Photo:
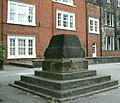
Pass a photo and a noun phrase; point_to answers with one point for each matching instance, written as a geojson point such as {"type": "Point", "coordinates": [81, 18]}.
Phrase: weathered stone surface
{"type": "Point", "coordinates": [65, 40]}
{"type": "Point", "coordinates": [64, 65]}
{"type": "Point", "coordinates": [66, 84]}
{"type": "Point", "coordinates": [65, 76]}
{"type": "Point", "coordinates": [64, 46]}
{"type": "Point", "coordinates": [67, 94]}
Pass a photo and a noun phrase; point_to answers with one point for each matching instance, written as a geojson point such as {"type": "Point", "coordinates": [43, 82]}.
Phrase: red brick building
{"type": "Point", "coordinates": [93, 30]}
{"type": "Point", "coordinates": [26, 26]}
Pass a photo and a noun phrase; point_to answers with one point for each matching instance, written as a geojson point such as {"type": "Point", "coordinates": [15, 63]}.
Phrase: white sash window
{"type": "Point", "coordinates": [65, 20]}
{"type": "Point", "coordinates": [21, 46]}
{"type": "Point", "coordinates": [21, 13]}
{"type": "Point", "coordinates": [94, 25]}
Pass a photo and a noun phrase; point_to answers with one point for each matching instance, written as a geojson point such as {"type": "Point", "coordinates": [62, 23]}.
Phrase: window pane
{"type": "Point", "coordinates": [12, 16]}
{"type": "Point", "coordinates": [71, 21]}
{"type": "Point", "coordinates": [59, 19]}
{"type": "Point", "coordinates": [21, 46]}
{"type": "Point", "coordinates": [12, 11]}
{"type": "Point", "coordinates": [91, 25]}
{"type": "Point", "coordinates": [66, 1]}
{"type": "Point", "coordinates": [30, 47]}
{"type": "Point", "coordinates": [21, 13]}
{"type": "Point", "coordinates": [109, 19]}
{"type": "Point", "coordinates": [12, 46]}
{"type": "Point", "coordinates": [30, 16]}
{"type": "Point", "coordinates": [65, 20]}
{"type": "Point", "coordinates": [21, 17]}
{"type": "Point", "coordinates": [96, 26]}
{"type": "Point", "coordinates": [12, 7]}
{"type": "Point", "coordinates": [109, 43]}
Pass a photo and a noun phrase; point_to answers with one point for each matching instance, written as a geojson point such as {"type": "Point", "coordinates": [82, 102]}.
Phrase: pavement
{"type": "Point", "coordinates": [10, 94]}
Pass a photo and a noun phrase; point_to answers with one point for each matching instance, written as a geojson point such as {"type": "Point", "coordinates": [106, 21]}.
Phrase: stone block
{"type": "Point", "coordinates": [64, 65]}
{"type": "Point", "coordinates": [65, 76]}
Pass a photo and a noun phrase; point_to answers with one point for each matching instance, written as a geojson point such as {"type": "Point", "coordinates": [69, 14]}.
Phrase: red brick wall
{"type": "Point", "coordinates": [93, 11]}
{"type": "Point", "coordinates": [45, 26]}
{"type": "Point", "coordinates": [1, 19]}
{"type": "Point", "coordinates": [46, 23]}
{"type": "Point", "coordinates": [111, 53]}
{"type": "Point", "coordinates": [42, 30]}
{"type": "Point", "coordinates": [15, 29]}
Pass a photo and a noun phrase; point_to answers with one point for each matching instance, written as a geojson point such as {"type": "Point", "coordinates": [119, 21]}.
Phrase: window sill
{"type": "Point", "coordinates": [67, 29]}
{"type": "Point", "coordinates": [15, 23]}
{"type": "Point", "coordinates": [109, 3]}
{"type": "Point", "coordinates": [109, 26]}
{"type": "Point", "coordinates": [96, 33]}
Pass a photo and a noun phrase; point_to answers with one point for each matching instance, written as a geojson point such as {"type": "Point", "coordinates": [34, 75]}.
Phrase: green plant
{"type": "Point", "coordinates": [2, 55]}
{"type": "Point", "coordinates": [1, 42]}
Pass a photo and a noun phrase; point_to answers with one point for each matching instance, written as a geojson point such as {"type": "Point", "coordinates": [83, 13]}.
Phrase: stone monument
{"type": "Point", "coordinates": [65, 73]}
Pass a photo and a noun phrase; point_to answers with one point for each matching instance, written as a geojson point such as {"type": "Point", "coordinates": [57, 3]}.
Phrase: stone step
{"type": "Point", "coordinates": [65, 76]}
{"type": "Point", "coordinates": [32, 63]}
{"type": "Point", "coordinates": [27, 64]}
{"type": "Point", "coordinates": [66, 94]}
{"type": "Point", "coordinates": [66, 84]}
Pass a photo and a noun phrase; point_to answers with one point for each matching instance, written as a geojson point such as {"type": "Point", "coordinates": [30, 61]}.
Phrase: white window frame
{"type": "Point", "coordinates": [109, 1]}
{"type": "Point", "coordinates": [24, 12]}
{"type": "Point", "coordinates": [118, 3]}
{"type": "Point", "coordinates": [113, 43]}
{"type": "Point", "coordinates": [68, 2]}
{"type": "Point", "coordinates": [70, 20]}
{"type": "Point", "coordinates": [94, 26]}
{"type": "Point", "coordinates": [110, 45]}
{"type": "Point", "coordinates": [26, 38]}
{"type": "Point", "coordinates": [109, 19]}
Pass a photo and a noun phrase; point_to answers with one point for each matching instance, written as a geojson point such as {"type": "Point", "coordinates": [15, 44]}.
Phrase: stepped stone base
{"type": "Point", "coordinates": [65, 72]}
{"type": "Point", "coordinates": [65, 86]}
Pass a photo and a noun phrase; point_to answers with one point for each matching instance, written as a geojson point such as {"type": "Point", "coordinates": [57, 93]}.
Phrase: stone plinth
{"type": "Point", "coordinates": [64, 54]}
